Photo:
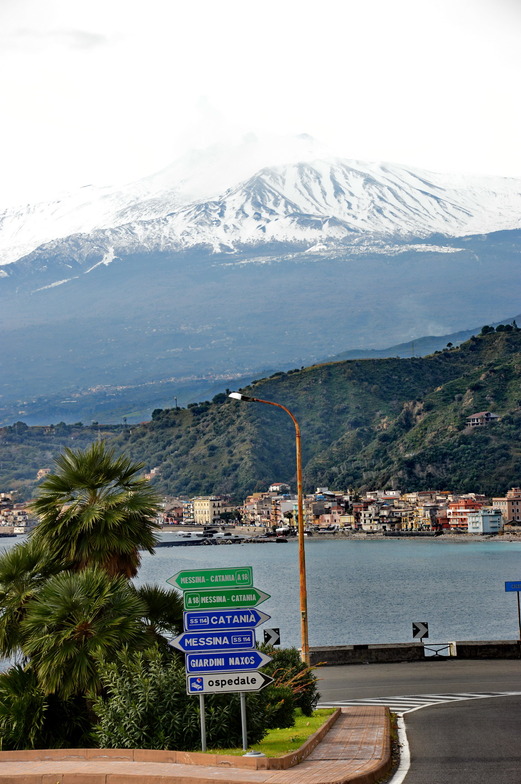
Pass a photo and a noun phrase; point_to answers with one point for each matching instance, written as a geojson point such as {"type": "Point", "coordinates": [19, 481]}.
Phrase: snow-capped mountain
{"type": "Point", "coordinates": [230, 260]}
{"type": "Point", "coordinates": [204, 199]}
{"type": "Point", "coordinates": [197, 176]}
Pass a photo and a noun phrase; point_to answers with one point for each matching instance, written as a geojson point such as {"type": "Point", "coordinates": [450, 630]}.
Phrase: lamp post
{"type": "Point", "coordinates": [300, 512]}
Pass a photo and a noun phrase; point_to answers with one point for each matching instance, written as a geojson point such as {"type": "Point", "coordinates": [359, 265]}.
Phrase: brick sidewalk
{"type": "Point", "coordinates": [356, 749]}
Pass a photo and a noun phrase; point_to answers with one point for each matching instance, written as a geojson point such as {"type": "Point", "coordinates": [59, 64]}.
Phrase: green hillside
{"type": "Point", "coordinates": [365, 424]}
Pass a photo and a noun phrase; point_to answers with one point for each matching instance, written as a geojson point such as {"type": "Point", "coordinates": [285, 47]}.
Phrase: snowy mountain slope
{"type": "Point", "coordinates": [197, 176]}
{"type": "Point", "coordinates": [342, 200]}
{"type": "Point", "coordinates": [326, 201]}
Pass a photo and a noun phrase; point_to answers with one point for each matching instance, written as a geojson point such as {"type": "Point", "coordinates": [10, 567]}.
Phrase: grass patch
{"type": "Point", "coordinates": [283, 741]}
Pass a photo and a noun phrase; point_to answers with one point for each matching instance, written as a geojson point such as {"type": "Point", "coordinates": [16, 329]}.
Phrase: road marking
{"type": "Point", "coordinates": [412, 702]}
{"type": "Point", "coordinates": [408, 704]}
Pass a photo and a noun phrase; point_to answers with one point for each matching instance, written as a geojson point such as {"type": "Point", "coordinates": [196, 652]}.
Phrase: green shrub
{"type": "Point", "coordinates": [145, 705]}
{"type": "Point", "coordinates": [29, 719]}
{"type": "Point", "coordinates": [289, 670]}
{"type": "Point", "coordinates": [277, 703]}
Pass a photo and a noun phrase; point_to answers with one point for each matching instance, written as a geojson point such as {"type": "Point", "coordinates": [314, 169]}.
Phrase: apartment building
{"type": "Point", "coordinates": [510, 505]}
{"type": "Point", "coordinates": [486, 520]}
{"type": "Point", "coordinates": [458, 512]}
{"type": "Point", "coordinates": [207, 509]}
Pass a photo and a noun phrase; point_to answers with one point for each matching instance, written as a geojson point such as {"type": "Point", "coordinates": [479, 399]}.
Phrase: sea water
{"type": "Point", "coordinates": [366, 591]}
{"type": "Point", "coordinates": [370, 591]}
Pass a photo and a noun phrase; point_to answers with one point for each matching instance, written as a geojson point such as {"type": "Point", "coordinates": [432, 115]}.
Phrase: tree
{"type": "Point", "coordinates": [23, 571]}
{"type": "Point", "coordinates": [95, 511]}
{"type": "Point", "coordinates": [163, 611]}
{"type": "Point", "coordinates": [66, 600]}
{"type": "Point", "coordinates": [73, 621]}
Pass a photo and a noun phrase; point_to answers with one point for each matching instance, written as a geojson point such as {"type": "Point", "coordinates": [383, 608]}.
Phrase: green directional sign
{"type": "Point", "coordinates": [223, 598]}
{"type": "Point", "coordinates": [234, 576]}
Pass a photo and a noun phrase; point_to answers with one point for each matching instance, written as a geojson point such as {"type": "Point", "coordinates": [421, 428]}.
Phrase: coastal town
{"type": "Point", "coordinates": [388, 512]}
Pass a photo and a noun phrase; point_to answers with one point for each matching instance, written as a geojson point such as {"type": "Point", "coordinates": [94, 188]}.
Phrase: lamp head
{"type": "Point", "coordinates": [238, 396]}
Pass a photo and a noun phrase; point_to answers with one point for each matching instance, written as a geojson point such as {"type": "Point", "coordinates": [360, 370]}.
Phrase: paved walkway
{"type": "Point", "coordinates": [356, 749]}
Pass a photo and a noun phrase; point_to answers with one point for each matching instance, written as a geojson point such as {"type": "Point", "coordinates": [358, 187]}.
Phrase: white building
{"type": "Point", "coordinates": [487, 520]}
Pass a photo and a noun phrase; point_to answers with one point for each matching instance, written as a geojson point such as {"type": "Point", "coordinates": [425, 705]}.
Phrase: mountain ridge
{"type": "Point", "coordinates": [365, 424]}
{"type": "Point", "coordinates": [333, 201]}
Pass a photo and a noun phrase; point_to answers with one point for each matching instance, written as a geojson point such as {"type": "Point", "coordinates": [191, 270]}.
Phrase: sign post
{"type": "Point", "coordinates": [516, 586]}
{"type": "Point", "coordinates": [244, 726]}
{"type": "Point", "coordinates": [202, 718]}
{"type": "Point", "coordinates": [219, 635]}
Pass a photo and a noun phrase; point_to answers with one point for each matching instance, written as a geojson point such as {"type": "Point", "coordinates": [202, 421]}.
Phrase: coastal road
{"type": "Point", "coordinates": [460, 742]}
{"type": "Point", "coordinates": [432, 676]}
{"type": "Point", "coordinates": [467, 729]}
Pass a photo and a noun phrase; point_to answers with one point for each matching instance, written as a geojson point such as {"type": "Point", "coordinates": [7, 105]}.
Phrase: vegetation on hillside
{"type": "Point", "coordinates": [365, 423]}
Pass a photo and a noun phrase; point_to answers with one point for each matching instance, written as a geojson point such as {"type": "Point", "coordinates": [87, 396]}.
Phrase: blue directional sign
{"type": "Point", "coordinates": [224, 661]}
{"type": "Point", "coordinates": [212, 641]}
{"type": "Point", "coordinates": [219, 620]}
{"type": "Point", "coordinates": [513, 586]}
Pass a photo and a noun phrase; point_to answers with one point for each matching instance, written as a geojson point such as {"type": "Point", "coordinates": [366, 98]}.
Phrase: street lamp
{"type": "Point", "coordinates": [300, 511]}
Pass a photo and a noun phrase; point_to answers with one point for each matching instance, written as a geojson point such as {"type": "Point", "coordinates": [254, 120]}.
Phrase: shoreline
{"type": "Point", "coordinates": [364, 537]}
{"type": "Point", "coordinates": [361, 536]}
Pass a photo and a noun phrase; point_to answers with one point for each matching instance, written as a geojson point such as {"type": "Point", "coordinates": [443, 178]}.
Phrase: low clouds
{"type": "Point", "coordinates": [30, 40]}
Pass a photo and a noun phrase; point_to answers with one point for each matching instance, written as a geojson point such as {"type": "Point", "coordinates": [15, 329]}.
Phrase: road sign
{"type": "Point", "coordinates": [235, 576]}
{"type": "Point", "coordinates": [201, 641]}
{"type": "Point", "coordinates": [224, 661]}
{"type": "Point", "coordinates": [218, 620]}
{"type": "Point", "coordinates": [516, 586]}
{"type": "Point", "coordinates": [229, 682]}
{"type": "Point", "coordinates": [223, 598]}
{"type": "Point", "coordinates": [420, 629]}
{"type": "Point", "coordinates": [272, 636]}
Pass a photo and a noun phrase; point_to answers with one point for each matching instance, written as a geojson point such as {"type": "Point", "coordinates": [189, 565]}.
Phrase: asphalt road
{"type": "Point", "coordinates": [432, 676]}
{"type": "Point", "coordinates": [474, 741]}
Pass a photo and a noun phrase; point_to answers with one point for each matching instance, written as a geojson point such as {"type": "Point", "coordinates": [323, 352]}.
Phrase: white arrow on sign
{"type": "Point", "coordinates": [420, 629]}
{"type": "Point", "coordinates": [272, 636]}
{"type": "Point", "coordinates": [226, 682]}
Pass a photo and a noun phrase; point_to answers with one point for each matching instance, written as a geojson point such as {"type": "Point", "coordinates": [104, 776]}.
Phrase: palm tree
{"type": "Point", "coordinates": [75, 620]}
{"type": "Point", "coordinates": [163, 611]}
{"type": "Point", "coordinates": [95, 511]}
{"type": "Point", "coordinates": [23, 570]}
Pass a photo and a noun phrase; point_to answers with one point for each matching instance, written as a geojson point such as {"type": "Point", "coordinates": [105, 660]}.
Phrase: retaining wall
{"type": "Point", "coordinates": [413, 651]}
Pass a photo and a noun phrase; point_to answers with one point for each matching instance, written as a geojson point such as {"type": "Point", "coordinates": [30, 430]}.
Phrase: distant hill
{"type": "Point", "coordinates": [133, 403]}
{"type": "Point", "coordinates": [418, 347]}
{"type": "Point", "coordinates": [365, 423]}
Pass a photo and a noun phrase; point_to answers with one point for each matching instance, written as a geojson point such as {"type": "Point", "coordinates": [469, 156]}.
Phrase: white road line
{"type": "Point", "coordinates": [413, 702]}
{"type": "Point", "coordinates": [405, 753]}
{"type": "Point", "coordinates": [410, 704]}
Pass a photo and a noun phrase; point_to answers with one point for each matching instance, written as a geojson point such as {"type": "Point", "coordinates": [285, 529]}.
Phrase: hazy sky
{"type": "Point", "coordinates": [107, 91]}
